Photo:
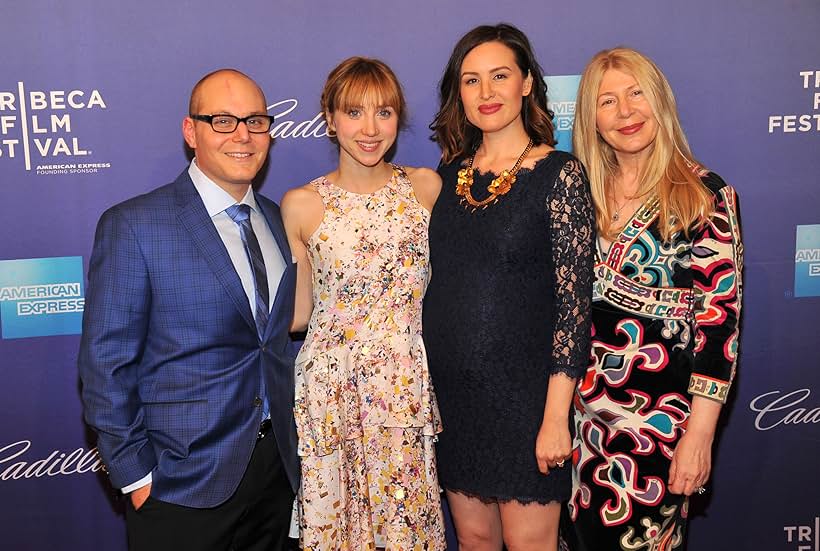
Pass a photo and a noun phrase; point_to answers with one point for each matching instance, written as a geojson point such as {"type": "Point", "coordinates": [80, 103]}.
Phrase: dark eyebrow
{"type": "Point", "coordinates": [502, 68]}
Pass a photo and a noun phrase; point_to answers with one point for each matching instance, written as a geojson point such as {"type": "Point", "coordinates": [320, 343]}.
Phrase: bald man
{"type": "Point", "coordinates": [184, 358]}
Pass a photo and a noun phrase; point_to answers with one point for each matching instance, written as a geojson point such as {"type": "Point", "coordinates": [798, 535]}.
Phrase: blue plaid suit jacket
{"type": "Point", "coordinates": [170, 360]}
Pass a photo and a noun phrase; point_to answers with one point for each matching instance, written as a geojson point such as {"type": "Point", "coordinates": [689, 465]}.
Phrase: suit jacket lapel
{"type": "Point", "coordinates": [194, 218]}
{"type": "Point", "coordinates": [278, 231]}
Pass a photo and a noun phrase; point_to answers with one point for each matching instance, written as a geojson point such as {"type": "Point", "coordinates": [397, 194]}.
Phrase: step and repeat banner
{"type": "Point", "coordinates": [92, 95]}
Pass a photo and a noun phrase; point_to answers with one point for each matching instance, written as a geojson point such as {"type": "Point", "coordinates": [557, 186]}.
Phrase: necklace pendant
{"type": "Point", "coordinates": [498, 187]}
{"type": "Point", "coordinates": [616, 216]}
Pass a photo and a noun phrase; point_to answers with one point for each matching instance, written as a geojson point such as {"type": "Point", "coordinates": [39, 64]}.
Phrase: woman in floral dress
{"type": "Point", "coordinates": [365, 410]}
{"type": "Point", "coordinates": [665, 315]}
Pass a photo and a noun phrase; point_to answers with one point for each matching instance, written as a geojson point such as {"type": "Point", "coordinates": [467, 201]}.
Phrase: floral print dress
{"type": "Point", "coordinates": [365, 409]}
{"type": "Point", "coordinates": [665, 328]}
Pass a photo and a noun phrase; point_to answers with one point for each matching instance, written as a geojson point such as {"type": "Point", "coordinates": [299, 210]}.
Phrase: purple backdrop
{"type": "Point", "coordinates": [91, 100]}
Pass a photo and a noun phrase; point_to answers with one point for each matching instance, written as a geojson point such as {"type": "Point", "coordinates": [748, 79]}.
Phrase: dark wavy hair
{"type": "Point", "coordinates": [451, 129]}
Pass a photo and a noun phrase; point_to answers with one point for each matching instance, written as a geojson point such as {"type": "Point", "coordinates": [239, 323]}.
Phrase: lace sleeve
{"type": "Point", "coordinates": [572, 231]}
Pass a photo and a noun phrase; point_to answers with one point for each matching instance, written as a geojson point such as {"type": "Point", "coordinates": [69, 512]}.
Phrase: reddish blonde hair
{"type": "Point", "coordinates": [359, 81]}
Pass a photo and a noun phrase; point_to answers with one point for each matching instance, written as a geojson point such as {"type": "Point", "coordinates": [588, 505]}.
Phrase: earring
{"type": "Point", "coordinates": [331, 133]}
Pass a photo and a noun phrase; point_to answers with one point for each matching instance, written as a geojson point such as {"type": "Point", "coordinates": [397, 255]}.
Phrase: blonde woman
{"type": "Point", "coordinates": [665, 311]}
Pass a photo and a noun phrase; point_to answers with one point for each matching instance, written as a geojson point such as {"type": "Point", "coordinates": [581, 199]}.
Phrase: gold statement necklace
{"type": "Point", "coordinates": [498, 187]}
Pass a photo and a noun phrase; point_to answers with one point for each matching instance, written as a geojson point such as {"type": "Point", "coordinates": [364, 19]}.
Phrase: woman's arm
{"type": "Point", "coordinates": [302, 211]}
{"type": "Point", "coordinates": [426, 186]}
{"type": "Point", "coordinates": [572, 231]}
{"type": "Point", "coordinates": [717, 263]}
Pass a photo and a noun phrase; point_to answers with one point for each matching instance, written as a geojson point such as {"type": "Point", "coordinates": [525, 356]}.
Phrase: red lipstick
{"type": "Point", "coordinates": [631, 129]}
{"type": "Point", "coordinates": [489, 108]}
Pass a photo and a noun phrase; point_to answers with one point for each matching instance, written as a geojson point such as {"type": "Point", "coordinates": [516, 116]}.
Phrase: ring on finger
{"type": "Point", "coordinates": [701, 490]}
{"type": "Point", "coordinates": [560, 463]}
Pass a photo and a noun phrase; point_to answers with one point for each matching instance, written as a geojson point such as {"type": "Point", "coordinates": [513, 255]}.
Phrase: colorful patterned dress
{"type": "Point", "coordinates": [665, 328]}
{"type": "Point", "coordinates": [365, 409]}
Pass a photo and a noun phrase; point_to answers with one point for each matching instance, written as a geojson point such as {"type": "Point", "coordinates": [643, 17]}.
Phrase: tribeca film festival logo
{"type": "Point", "coordinates": [807, 122]}
{"type": "Point", "coordinates": [13, 465]}
{"type": "Point", "coordinates": [776, 409]}
{"type": "Point", "coordinates": [807, 261]}
{"type": "Point", "coordinates": [561, 93]}
{"type": "Point", "coordinates": [805, 536]}
{"type": "Point", "coordinates": [41, 296]}
{"type": "Point", "coordinates": [37, 125]}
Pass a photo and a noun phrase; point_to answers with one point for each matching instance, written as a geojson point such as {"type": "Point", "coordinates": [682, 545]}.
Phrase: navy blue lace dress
{"type": "Point", "coordinates": [508, 305]}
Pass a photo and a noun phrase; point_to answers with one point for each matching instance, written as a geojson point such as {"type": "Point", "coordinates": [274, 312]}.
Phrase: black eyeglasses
{"type": "Point", "coordinates": [225, 124]}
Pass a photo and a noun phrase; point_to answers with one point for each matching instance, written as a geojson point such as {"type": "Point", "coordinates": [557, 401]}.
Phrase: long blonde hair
{"type": "Point", "coordinates": [671, 171]}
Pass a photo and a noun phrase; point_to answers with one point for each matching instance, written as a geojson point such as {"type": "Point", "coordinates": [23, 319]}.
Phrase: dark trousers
{"type": "Point", "coordinates": [255, 518]}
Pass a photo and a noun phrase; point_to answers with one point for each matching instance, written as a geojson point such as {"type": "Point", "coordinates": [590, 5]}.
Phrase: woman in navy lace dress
{"type": "Point", "coordinates": [507, 312]}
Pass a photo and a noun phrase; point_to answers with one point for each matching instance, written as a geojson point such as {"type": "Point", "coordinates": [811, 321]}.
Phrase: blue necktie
{"type": "Point", "coordinates": [241, 214]}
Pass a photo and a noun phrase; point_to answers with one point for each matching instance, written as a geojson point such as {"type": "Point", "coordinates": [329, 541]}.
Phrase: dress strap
{"type": "Point", "coordinates": [402, 184]}
{"type": "Point", "coordinates": [400, 175]}
{"type": "Point", "coordinates": [323, 187]}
